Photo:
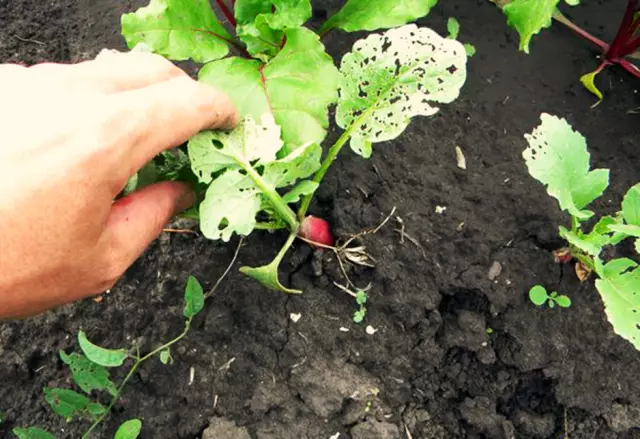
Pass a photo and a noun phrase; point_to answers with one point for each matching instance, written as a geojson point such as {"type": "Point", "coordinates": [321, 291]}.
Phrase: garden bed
{"type": "Point", "coordinates": [455, 353]}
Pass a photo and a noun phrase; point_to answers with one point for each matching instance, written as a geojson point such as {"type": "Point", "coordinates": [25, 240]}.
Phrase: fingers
{"type": "Point", "coordinates": [111, 72]}
{"type": "Point", "coordinates": [167, 114]}
{"type": "Point", "coordinates": [138, 219]}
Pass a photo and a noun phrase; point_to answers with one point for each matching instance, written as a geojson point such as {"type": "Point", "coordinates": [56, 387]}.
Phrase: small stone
{"type": "Point", "coordinates": [370, 330]}
{"type": "Point", "coordinates": [295, 317]}
{"type": "Point", "coordinates": [486, 355]}
{"type": "Point", "coordinates": [222, 428]}
{"type": "Point", "coordinates": [494, 271]}
{"type": "Point", "coordinates": [440, 209]}
{"type": "Point", "coordinates": [623, 417]}
{"type": "Point", "coordinates": [343, 329]}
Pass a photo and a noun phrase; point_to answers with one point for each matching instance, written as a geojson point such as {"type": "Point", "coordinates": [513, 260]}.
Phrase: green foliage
{"type": "Point", "coordinates": [67, 403]}
{"type": "Point", "coordinates": [392, 77]}
{"type": "Point", "coordinates": [101, 356]}
{"type": "Point", "coordinates": [361, 300]}
{"type": "Point", "coordinates": [193, 297]}
{"type": "Point", "coordinates": [165, 356]}
{"type": "Point", "coordinates": [32, 433]}
{"type": "Point", "coordinates": [178, 30]}
{"type": "Point", "coordinates": [588, 80]}
{"type": "Point", "coordinates": [538, 295]}
{"type": "Point", "coordinates": [529, 17]}
{"type": "Point", "coordinates": [453, 27]}
{"type": "Point", "coordinates": [88, 375]}
{"type": "Point", "coordinates": [357, 15]}
{"type": "Point", "coordinates": [557, 157]}
{"type": "Point", "coordinates": [129, 429]}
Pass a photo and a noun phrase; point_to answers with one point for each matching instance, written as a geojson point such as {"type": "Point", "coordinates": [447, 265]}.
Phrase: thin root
{"type": "Point", "coordinates": [220, 279]}
{"type": "Point", "coordinates": [193, 232]}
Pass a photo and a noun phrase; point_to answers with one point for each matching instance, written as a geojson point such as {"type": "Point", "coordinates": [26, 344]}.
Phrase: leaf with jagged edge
{"type": "Point", "coordinates": [247, 158]}
{"type": "Point", "coordinates": [178, 30]}
{"type": "Point", "coordinates": [529, 17]}
{"type": "Point", "coordinates": [88, 375]}
{"type": "Point", "coordinates": [357, 15]}
{"type": "Point", "coordinates": [296, 87]}
{"type": "Point", "coordinates": [557, 157]}
{"type": "Point", "coordinates": [619, 287]}
{"type": "Point", "coordinates": [600, 236]}
{"type": "Point", "coordinates": [391, 77]}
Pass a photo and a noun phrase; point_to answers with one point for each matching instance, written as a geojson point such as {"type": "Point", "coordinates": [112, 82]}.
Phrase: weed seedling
{"type": "Point", "coordinates": [263, 174]}
{"type": "Point", "coordinates": [557, 157]}
{"type": "Point", "coordinates": [539, 296]}
{"type": "Point", "coordinates": [90, 372]}
{"type": "Point", "coordinates": [361, 300]}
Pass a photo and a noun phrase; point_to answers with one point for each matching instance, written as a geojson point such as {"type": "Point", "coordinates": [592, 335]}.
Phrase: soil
{"type": "Point", "coordinates": [431, 370]}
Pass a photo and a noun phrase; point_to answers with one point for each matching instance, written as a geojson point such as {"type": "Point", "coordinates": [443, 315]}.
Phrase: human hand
{"type": "Point", "coordinates": [70, 137]}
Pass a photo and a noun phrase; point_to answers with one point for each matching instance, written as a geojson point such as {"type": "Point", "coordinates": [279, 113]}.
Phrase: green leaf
{"type": "Point", "coordinates": [619, 286]}
{"type": "Point", "coordinates": [453, 27]}
{"type": "Point", "coordinates": [589, 83]}
{"type": "Point", "coordinates": [358, 316]}
{"type": "Point", "coordinates": [601, 235]}
{"type": "Point", "coordinates": [391, 77]}
{"type": "Point", "coordinates": [529, 17]}
{"type": "Point", "coordinates": [68, 403]}
{"type": "Point", "coordinates": [557, 157]}
{"type": "Point", "coordinates": [296, 86]}
{"type": "Point", "coordinates": [248, 154]}
{"type": "Point", "coordinates": [306, 187]}
{"type": "Point", "coordinates": [165, 356]}
{"type": "Point", "coordinates": [470, 49]}
{"type": "Point", "coordinates": [572, 2]}
{"type": "Point", "coordinates": [361, 297]}
{"type": "Point", "coordinates": [193, 297]}
{"type": "Point", "coordinates": [101, 356]}
{"type": "Point", "coordinates": [626, 229]}
{"type": "Point", "coordinates": [88, 375]}
{"type": "Point", "coordinates": [178, 30]}
{"type": "Point", "coordinates": [267, 275]}
{"type": "Point", "coordinates": [32, 433]}
{"type": "Point", "coordinates": [96, 409]}
{"type": "Point", "coordinates": [129, 429]}
{"type": "Point", "coordinates": [631, 206]}
{"type": "Point", "coordinates": [538, 295]}
{"type": "Point", "coordinates": [563, 301]}
{"type": "Point", "coordinates": [358, 15]}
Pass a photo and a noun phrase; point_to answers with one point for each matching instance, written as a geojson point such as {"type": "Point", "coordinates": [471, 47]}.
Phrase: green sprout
{"type": "Point", "coordinates": [538, 295]}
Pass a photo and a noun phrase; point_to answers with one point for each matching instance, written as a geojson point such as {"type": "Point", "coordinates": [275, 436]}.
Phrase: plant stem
{"type": "Point", "coordinates": [278, 203]}
{"type": "Point", "coordinates": [133, 369]}
{"type": "Point", "coordinates": [227, 13]}
{"type": "Point", "coordinates": [624, 34]}
{"type": "Point", "coordinates": [560, 17]}
{"type": "Point", "coordinates": [629, 67]}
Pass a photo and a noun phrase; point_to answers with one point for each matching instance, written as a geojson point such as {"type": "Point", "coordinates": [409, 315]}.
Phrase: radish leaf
{"type": "Point", "coordinates": [391, 77]}
{"type": "Point", "coordinates": [557, 157]}
{"type": "Point", "coordinates": [359, 15]}
{"type": "Point", "coordinates": [296, 87]}
{"type": "Point", "coordinates": [178, 30]}
{"type": "Point", "coordinates": [529, 17]}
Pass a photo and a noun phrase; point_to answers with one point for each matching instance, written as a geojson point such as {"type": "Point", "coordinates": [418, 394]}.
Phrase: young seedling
{"type": "Point", "coordinates": [453, 27]}
{"type": "Point", "coordinates": [557, 157]}
{"type": "Point", "coordinates": [360, 297]}
{"type": "Point", "coordinates": [263, 174]}
{"type": "Point", "coordinates": [538, 295]}
{"type": "Point", "coordinates": [90, 372]}
{"type": "Point", "coordinates": [529, 17]}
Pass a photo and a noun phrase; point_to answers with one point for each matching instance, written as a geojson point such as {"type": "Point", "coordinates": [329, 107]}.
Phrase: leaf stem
{"type": "Point", "coordinates": [561, 18]}
{"type": "Point", "coordinates": [133, 370]}
{"type": "Point", "coordinates": [227, 13]}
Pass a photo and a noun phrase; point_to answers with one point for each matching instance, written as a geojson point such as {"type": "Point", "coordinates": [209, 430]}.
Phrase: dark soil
{"type": "Point", "coordinates": [431, 370]}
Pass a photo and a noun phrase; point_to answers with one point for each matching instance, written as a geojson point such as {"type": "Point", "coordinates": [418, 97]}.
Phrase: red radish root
{"type": "Point", "coordinates": [317, 230]}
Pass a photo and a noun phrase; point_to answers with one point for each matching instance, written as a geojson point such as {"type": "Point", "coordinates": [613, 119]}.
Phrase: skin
{"type": "Point", "coordinates": [71, 136]}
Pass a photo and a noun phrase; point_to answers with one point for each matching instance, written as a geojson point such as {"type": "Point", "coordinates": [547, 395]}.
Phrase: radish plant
{"type": "Point", "coordinates": [90, 372]}
{"type": "Point", "coordinates": [557, 157]}
{"type": "Point", "coordinates": [262, 175]}
{"type": "Point", "coordinates": [529, 17]}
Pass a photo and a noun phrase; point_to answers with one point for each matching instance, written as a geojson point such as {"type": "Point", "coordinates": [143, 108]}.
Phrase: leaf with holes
{"type": "Point", "coordinates": [529, 17]}
{"type": "Point", "coordinates": [178, 30]}
{"type": "Point", "coordinates": [32, 433]}
{"type": "Point", "coordinates": [619, 286]}
{"type": "Point", "coordinates": [129, 429]}
{"type": "Point", "coordinates": [557, 157]}
{"type": "Point", "coordinates": [357, 15]}
{"type": "Point", "coordinates": [261, 24]}
{"type": "Point", "coordinates": [391, 77]}
{"type": "Point", "coordinates": [103, 357]}
{"type": "Point", "coordinates": [88, 375]}
{"type": "Point", "coordinates": [68, 403]}
{"type": "Point", "coordinates": [247, 174]}
{"type": "Point", "coordinates": [296, 87]}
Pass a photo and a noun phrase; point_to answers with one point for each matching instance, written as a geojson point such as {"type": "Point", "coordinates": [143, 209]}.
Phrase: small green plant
{"type": "Point", "coordinates": [453, 27]}
{"type": "Point", "coordinates": [529, 17]}
{"type": "Point", "coordinates": [90, 372]}
{"type": "Point", "coordinates": [557, 157]}
{"type": "Point", "coordinates": [489, 331]}
{"type": "Point", "coordinates": [539, 296]}
{"type": "Point", "coordinates": [263, 174]}
{"type": "Point", "coordinates": [361, 300]}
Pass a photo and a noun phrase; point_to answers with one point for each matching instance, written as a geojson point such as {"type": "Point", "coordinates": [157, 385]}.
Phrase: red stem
{"type": "Point", "coordinates": [583, 33]}
{"type": "Point", "coordinates": [629, 67]}
{"type": "Point", "coordinates": [624, 34]}
{"type": "Point", "coordinates": [632, 46]}
{"type": "Point", "coordinates": [227, 12]}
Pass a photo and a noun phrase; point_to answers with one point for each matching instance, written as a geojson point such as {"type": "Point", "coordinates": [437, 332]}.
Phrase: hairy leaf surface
{"type": "Point", "coordinates": [178, 30]}
{"type": "Point", "coordinates": [390, 78]}
{"type": "Point", "coordinates": [358, 15]}
{"type": "Point", "coordinates": [619, 286]}
{"type": "Point", "coordinates": [557, 157]}
{"type": "Point", "coordinates": [296, 87]}
{"type": "Point", "coordinates": [529, 17]}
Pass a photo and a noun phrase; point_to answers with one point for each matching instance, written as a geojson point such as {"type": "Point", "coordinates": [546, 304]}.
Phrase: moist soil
{"type": "Point", "coordinates": [456, 354]}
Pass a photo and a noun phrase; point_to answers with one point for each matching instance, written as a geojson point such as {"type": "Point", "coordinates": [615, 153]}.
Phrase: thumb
{"type": "Point", "coordinates": [139, 218]}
